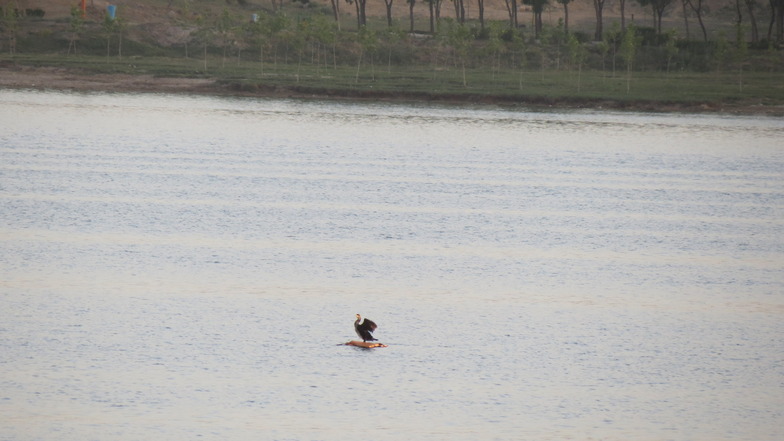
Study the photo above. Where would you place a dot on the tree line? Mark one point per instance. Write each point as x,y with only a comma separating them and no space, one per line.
472,43
316,38
743,13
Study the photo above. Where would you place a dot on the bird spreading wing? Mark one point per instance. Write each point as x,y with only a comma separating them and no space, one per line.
364,328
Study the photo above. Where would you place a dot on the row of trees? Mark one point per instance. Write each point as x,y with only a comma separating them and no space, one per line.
743,10
317,40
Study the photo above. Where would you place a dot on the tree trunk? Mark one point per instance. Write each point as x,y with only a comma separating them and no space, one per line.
432,7
566,16
780,21
538,22
753,20
359,16
460,11
481,4
359,63
658,10
388,4
776,21
598,6
623,14
698,10
511,9
336,11
772,4
686,19
411,15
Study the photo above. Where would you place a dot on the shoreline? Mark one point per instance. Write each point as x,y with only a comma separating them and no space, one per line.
72,79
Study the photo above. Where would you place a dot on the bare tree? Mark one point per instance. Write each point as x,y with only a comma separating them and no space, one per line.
696,6
750,5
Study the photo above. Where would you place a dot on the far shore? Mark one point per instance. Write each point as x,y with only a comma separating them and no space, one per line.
74,79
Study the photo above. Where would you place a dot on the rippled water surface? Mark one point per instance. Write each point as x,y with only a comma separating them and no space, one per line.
185,267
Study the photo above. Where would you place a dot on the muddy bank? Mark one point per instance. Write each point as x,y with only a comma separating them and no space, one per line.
42,78
53,78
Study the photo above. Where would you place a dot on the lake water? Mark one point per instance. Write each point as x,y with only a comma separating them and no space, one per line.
182,268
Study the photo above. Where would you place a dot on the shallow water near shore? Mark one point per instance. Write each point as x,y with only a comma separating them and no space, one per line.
177,267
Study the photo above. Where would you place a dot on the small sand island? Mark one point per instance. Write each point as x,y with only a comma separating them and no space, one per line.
364,344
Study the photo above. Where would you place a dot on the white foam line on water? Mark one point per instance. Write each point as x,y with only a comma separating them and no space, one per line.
248,160
518,252
261,166
391,208
551,180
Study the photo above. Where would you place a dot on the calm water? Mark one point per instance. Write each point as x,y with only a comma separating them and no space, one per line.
185,267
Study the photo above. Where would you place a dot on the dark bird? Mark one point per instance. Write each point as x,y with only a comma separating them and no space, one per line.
364,327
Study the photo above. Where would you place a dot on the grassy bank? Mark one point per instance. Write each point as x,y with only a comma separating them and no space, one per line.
585,88
301,51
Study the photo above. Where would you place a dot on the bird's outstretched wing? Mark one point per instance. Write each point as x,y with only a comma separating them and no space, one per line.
370,325
365,328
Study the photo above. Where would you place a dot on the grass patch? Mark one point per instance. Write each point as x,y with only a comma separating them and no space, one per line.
446,81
